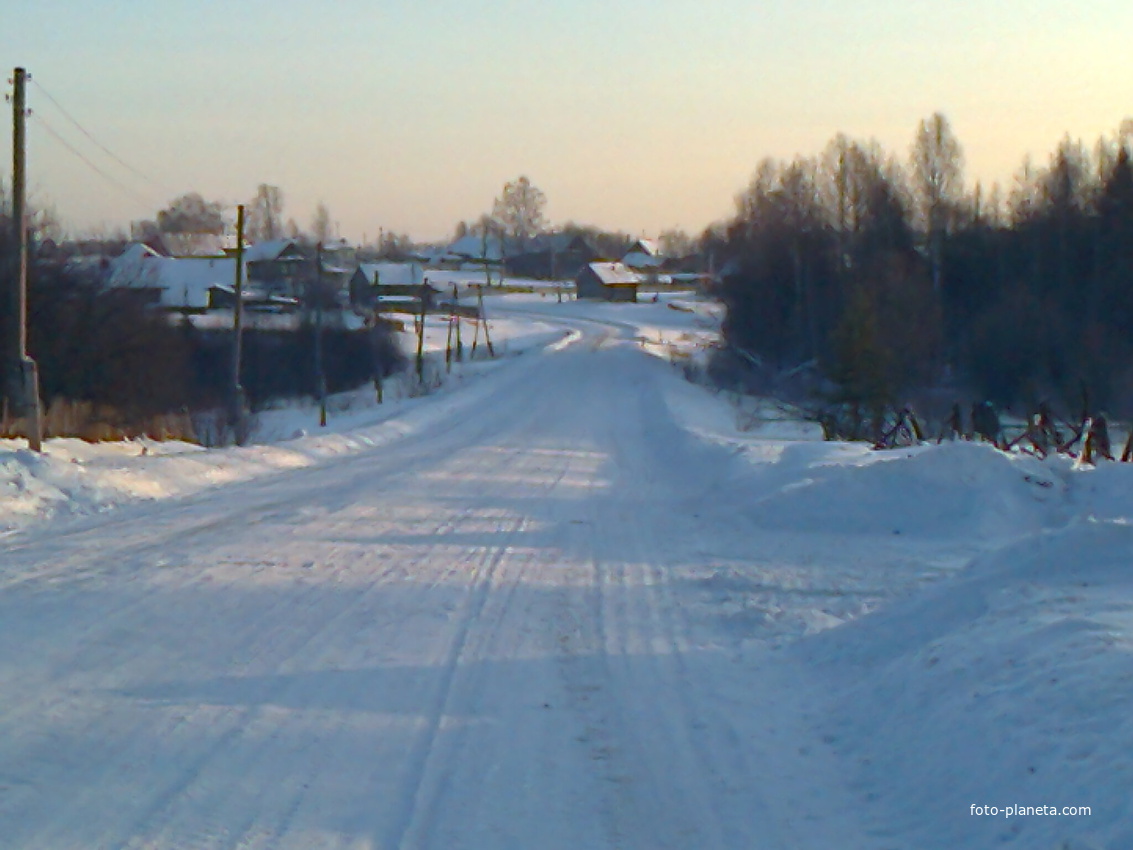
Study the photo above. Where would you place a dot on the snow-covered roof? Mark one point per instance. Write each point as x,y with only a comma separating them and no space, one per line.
272,249
644,254
183,281
472,247
133,254
555,241
650,247
393,274
615,274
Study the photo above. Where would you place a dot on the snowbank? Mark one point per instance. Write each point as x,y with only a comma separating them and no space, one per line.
1008,686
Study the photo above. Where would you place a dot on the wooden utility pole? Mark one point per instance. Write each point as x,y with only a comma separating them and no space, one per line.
238,331
448,343
378,367
22,374
456,318
421,334
320,378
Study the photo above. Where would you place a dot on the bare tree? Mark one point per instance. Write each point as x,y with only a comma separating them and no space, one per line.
938,185
489,228
676,243
520,211
322,226
265,214
191,225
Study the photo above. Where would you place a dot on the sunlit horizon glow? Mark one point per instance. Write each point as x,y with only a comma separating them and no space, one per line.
633,116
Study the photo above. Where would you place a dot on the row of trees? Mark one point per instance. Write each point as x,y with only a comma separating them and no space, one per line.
190,224
891,277
518,216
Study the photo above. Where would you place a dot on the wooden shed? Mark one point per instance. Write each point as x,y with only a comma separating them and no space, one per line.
607,282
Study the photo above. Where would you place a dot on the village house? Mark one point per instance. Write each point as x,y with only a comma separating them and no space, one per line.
551,256
644,255
608,282
174,283
190,284
472,251
279,266
390,286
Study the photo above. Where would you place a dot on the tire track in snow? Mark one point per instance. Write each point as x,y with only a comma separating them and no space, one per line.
426,743
161,811
253,828
268,639
322,633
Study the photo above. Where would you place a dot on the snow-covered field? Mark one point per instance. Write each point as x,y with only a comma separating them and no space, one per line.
562,602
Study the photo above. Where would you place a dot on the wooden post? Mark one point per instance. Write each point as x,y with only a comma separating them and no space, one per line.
1087,455
320,378
475,340
421,335
484,322
448,345
374,324
237,413
456,318
23,375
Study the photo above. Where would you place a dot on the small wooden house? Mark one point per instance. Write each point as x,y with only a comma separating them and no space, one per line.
279,266
607,282
552,256
644,254
381,286
174,283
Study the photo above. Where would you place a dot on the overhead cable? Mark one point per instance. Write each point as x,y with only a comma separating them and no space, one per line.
93,140
110,179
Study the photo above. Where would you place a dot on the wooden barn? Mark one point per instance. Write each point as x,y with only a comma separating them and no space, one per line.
607,282
551,256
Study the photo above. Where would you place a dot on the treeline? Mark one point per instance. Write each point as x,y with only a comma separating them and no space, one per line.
129,363
887,279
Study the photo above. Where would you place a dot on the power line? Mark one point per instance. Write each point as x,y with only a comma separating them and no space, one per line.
93,140
121,186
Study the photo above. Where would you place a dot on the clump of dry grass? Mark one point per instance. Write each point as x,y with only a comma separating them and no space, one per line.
100,423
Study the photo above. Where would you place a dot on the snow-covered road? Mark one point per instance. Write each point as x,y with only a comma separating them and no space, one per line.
555,608
472,637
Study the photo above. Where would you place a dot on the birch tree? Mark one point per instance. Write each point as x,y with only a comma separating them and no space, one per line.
937,162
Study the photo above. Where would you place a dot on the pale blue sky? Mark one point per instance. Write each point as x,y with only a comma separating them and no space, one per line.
631,115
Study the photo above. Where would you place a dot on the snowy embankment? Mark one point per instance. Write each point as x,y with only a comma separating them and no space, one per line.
993,667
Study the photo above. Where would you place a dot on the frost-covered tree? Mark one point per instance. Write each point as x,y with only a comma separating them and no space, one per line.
520,211
676,243
265,214
322,226
937,165
191,225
